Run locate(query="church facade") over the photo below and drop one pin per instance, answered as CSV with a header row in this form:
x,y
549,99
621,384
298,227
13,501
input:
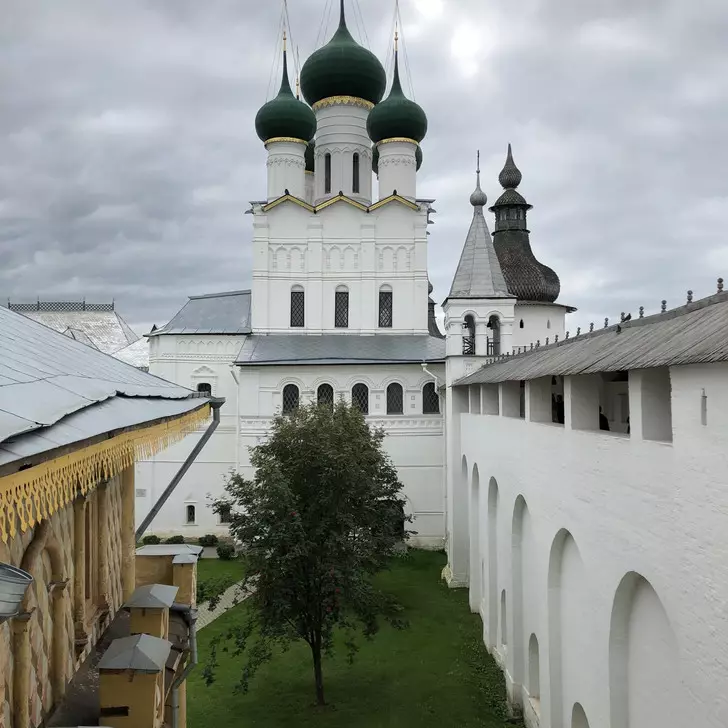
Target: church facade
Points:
x,y
340,302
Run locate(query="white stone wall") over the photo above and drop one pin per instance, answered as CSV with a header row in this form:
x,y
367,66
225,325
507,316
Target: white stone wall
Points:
x,y
611,550
340,246
539,323
414,441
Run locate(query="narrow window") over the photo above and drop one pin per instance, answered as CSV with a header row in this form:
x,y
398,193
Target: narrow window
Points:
x,y
191,514
521,324
430,400
548,324
385,308
225,515
341,309
355,169
395,399
327,174
325,396
360,397
290,398
469,336
205,388
91,537
298,307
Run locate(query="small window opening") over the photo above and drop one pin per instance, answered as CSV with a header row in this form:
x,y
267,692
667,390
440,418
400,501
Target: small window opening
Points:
x,y
430,400
205,388
469,336
225,514
360,397
290,398
325,396
385,309
548,324
341,309
191,514
327,174
355,170
395,399
298,307
521,324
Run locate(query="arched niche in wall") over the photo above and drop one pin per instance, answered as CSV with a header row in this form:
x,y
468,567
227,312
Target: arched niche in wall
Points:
x,y
578,717
520,513
476,585
644,665
492,562
567,632
462,500
534,669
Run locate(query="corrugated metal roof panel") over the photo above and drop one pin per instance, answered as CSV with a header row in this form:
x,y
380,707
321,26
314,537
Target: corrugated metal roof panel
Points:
x,y
113,414
47,376
691,334
215,313
340,349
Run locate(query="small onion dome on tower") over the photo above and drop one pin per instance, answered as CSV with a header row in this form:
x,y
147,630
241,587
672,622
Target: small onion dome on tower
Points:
x,y
309,156
397,116
527,278
478,198
375,158
343,68
285,116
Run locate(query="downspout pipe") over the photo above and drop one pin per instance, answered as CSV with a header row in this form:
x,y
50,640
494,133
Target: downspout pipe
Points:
x,y
237,417
444,444
216,403
190,615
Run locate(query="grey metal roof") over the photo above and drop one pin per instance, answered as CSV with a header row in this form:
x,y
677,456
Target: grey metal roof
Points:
x,y
46,376
97,325
152,596
691,334
340,349
215,313
136,354
479,273
114,413
169,549
141,653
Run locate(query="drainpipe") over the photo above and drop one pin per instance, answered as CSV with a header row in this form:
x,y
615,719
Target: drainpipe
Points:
x,y
237,417
215,403
190,616
444,448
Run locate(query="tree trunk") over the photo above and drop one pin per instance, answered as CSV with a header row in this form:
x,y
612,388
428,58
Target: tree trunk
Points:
x,y
316,651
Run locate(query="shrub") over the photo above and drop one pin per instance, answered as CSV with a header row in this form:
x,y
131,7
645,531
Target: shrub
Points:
x,y
209,540
175,539
151,540
226,552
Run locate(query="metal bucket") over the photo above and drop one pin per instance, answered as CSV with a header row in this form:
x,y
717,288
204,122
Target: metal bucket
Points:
x,y
13,584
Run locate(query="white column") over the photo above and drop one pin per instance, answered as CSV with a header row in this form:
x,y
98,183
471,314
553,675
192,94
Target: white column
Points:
x,y
286,168
397,168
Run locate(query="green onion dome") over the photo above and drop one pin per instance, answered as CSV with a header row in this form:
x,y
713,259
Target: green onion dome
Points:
x,y
343,68
285,116
375,158
397,116
310,149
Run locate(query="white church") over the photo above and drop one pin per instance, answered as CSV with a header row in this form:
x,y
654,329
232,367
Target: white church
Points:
x,y
577,480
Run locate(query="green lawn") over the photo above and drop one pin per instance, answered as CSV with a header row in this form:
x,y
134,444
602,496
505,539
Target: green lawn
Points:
x,y
218,569
434,674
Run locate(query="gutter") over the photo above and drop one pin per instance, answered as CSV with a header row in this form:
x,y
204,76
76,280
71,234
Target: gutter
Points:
x,y
216,403
190,615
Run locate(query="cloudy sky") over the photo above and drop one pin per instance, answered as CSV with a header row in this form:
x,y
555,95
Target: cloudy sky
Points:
x,y
128,154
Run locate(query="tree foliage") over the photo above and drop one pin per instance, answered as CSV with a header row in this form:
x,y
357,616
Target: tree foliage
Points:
x,y
321,517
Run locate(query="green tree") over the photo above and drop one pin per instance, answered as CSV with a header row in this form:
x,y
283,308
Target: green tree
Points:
x,y
321,517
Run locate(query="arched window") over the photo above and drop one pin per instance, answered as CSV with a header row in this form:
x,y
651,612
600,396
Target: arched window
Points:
x,y
395,399
430,400
327,174
290,398
534,671
341,308
521,324
298,307
360,397
469,336
355,172
325,396
494,336
190,514
205,388
385,307
548,324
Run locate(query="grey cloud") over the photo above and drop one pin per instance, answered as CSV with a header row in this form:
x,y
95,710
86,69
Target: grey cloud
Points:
x,y
128,154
